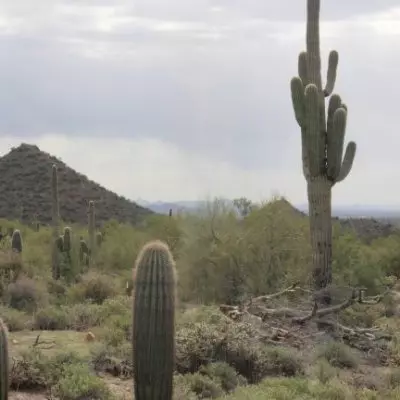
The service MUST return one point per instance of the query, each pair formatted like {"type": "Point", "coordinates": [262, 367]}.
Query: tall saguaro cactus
{"type": "Point", "coordinates": [154, 323]}
{"type": "Point", "coordinates": [55, 220]}
{"type": "Point", "coordinates": [322, 142]}
{"type": "Point", "coordinates": [4, 366]}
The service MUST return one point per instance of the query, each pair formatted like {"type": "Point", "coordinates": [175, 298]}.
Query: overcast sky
{"type": "Point", "coordinates": [180, 100]}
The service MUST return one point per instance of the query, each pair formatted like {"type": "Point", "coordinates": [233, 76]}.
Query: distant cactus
{"type": "Point", "coordinates": [322, 142]}
{"type": "Point", "coordinates": [4, 365]}
{"type": "Point", "coordinates": [55, 252]}
{"type": "Point", "coordinates": [67, 239]}
{"type": "Point", "coordinates": [99, 239]}
{"type": "Point", "coordinates": [92, 227]}
{"type": "Point", "coordinates": [16, 241]}
{"type": "Point", "coordinates": [83, 251]}
{"type": "Point", "coordinates": [154, 323]}
{"type": "Point", "coordinates": [60, 243]}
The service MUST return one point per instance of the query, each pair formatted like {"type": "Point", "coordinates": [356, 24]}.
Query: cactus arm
{"type": "Point", "coordinates": [331, 74]}
{"type": "Point", "coordinates": [298, 100]}
{"type": "Point", "coordinates": [335, 138]}
{"type": "Point", "coordinates": [303, 68]}
{"type": "Point", "coordinates": [347, 163]}
{"type": "Point", "coordinates": [314, 140]}
{"type": "Point", "coordinates": [4, 366]}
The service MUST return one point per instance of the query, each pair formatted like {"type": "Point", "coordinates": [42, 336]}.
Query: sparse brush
{"type": "Point", "coordinates": [154, 323]}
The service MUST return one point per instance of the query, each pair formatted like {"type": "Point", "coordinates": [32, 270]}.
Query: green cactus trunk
{"type": "Point", "coordinates": [154, 323]}
{"type": "Point", "coordinates": [55, 253]}
{"type": "Point", "coordinates": [319, 205]}
{"type": "Point", "coordinates": [4, 366]}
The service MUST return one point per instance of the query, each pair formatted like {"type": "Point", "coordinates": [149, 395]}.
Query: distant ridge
{"type": "Point", "coordinates": [367, 222]}
{"type": "Point", "coordinates": [25, 191]}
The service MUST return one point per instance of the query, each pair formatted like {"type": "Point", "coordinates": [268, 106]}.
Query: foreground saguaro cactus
{"type": "Point", "coordinates": [4, 372]}
{"type": "Point", "coordinates": [322, 143]}
{"type": "Point", "coordinates": [55, 221]}
{"type": "Point", "coordinates": [154, 323]}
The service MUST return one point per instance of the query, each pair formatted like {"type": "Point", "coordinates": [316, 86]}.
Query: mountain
{"type": "Point", "coordinates": [25, 191]}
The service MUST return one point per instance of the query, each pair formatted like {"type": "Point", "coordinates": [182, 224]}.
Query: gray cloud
{"type": "Point", "coordinates": [206, 75]}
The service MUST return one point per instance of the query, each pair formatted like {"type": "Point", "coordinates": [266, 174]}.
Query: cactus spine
{"type": "Point", "coordinates": [55, 254]}
{"type": "Point", "coordinates": [92, 233]}
{"type": "Point", "coordinates": [16, 241]}
{"type": "Point", "coordinates": [154, 323]}
{"type": "Point", "coordinates": [322, 143]}
{"type": "Point", "coordinates": [4, 366]}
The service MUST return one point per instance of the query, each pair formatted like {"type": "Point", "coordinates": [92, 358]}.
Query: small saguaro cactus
{"type": "Point", "coordinates": [16, 241]}
{"type": "Point", "coordinates": [4, 365]}
{"type": "Point", "coordinates": [99, 239]}
{"type": "Point", "coordinates": [92, 228]}
{"type": "Point", "coordinates": [322, 142]}
{"type": "Point", "coordinates": [154, 322]}
{"type": "Point", "coordinates": [67, 239]}
{"type": "Point", "coordinates": [55, 253]}
{"type": "Point", "coordinates": [60, 243]}
{"type": "Point", "coordinates": [83, 251]}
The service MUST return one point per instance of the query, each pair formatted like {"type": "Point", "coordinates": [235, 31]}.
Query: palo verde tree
{"type": "Point", "coordinates": [322, 142]}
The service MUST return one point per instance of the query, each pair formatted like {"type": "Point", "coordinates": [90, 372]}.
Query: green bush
{"type": "Point", "coordinates": [14, 319]}
{"type": "Point", "coordinates": [26, 295]}
{"type": "Point", "coordinates": [78, 382]}
{"type": "Point", "coordinates": [339, 355]}
{"type": "Point", "coordinates": [94, 287]}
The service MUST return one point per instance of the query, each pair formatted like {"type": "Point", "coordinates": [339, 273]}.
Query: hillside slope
{"type": "Point", "coordinates": [25, 191]}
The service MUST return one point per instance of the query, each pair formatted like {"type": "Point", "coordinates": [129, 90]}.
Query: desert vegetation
{"type": "Point", "coordinates": [242, 301]}
{"type": "Point", "coordinates": [248, 323]}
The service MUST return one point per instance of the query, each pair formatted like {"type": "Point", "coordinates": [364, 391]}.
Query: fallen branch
{"type": "Point", "coordinates": [37, 342]}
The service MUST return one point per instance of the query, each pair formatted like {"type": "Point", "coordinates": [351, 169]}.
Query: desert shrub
{"type": "Point", "coordinates": [203, 386]}
{"type": "Point", "coordinates": [94, 287]}
{"type": "Point", "coordinates": [116, 361]}
{"type": "Point", "coordinates": [56, 288]}
{"type": "Point", "coordinates": [84, 315]}
{"type": "Point", "coordinates": [339, 355]}
{"type": "Point", "coordinates": [52, 318]}
{"type": "Point", "coordinates": [117, 306]}
{"type": "Point", "coordinates": [224, 374]}
{"type": "Point", "coordinates": [393, 378]}
{"type": "Point", "coordinates": [14, 319]}
{"type": "Point", "coordinates": [237, 345]}
{"type": "Point", "coordinates": [323, 371]}
{"type": "Point", "coordinates": [26, 295]}
{"type": "Point", "coordinates": [360, 316]}
{"type": "Point", "coordinates": [78, 382]}
{"type": "Point", "coordinates": [32, 370]}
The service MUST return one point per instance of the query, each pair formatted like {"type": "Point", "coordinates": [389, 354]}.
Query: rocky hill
{"type": "Point", "coordinates": [25, 191]}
